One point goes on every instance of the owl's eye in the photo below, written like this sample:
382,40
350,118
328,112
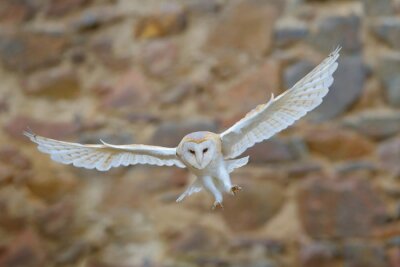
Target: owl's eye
191,151
205,150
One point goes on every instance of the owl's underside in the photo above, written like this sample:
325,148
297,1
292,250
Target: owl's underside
211,157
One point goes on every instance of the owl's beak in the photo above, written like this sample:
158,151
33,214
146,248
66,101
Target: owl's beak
199,159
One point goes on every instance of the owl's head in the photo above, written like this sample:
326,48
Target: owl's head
198,149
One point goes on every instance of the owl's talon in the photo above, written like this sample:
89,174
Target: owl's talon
235,189
217,205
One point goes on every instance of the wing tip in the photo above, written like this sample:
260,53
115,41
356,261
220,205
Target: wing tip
29,133
336,51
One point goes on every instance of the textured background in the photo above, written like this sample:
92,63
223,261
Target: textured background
324,193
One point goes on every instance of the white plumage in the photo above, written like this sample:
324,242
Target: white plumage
208,155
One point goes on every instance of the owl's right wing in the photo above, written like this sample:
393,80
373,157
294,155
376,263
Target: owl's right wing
105,156
278,113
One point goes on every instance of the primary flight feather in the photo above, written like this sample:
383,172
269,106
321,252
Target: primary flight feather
209,156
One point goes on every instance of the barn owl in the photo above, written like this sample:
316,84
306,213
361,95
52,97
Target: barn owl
211,157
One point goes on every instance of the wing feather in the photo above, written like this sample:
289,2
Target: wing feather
105,156
280,112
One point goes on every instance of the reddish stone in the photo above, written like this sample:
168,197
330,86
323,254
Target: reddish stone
255,204
256,87
14,12
171,133
25,51
168,21
160,57
394,257
337,144
57,220
131,90
59,82
25,250
13,157
57,130
334,208
61,7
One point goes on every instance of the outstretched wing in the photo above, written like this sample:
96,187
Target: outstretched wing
268,119
105,156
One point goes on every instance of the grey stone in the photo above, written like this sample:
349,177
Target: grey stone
287,34
352,166
274,150
376,124
170,133
389,155
341,31
318,254
388,30
346,89
388,72
378,7
365,255
295,72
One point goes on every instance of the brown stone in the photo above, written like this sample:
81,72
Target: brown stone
105,53
25,250
57,130
14,12
59,82
24,51
130,91
245,27
61,7
169,20
337,144
198,239
334,208
389,155
4,107
255,204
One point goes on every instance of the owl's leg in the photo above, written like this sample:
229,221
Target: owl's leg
225,180
209,185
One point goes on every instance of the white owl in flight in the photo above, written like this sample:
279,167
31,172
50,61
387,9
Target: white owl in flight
211,157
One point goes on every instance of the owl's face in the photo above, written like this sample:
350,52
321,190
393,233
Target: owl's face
198,152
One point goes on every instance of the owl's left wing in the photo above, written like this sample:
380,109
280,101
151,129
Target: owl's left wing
105,156
278,113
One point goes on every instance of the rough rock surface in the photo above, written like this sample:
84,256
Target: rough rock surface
323,193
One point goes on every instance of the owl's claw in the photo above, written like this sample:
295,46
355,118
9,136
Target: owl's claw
217,205
235,189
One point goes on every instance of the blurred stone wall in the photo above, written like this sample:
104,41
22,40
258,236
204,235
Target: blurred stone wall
324,193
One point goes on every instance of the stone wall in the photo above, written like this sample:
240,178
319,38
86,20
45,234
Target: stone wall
323,193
